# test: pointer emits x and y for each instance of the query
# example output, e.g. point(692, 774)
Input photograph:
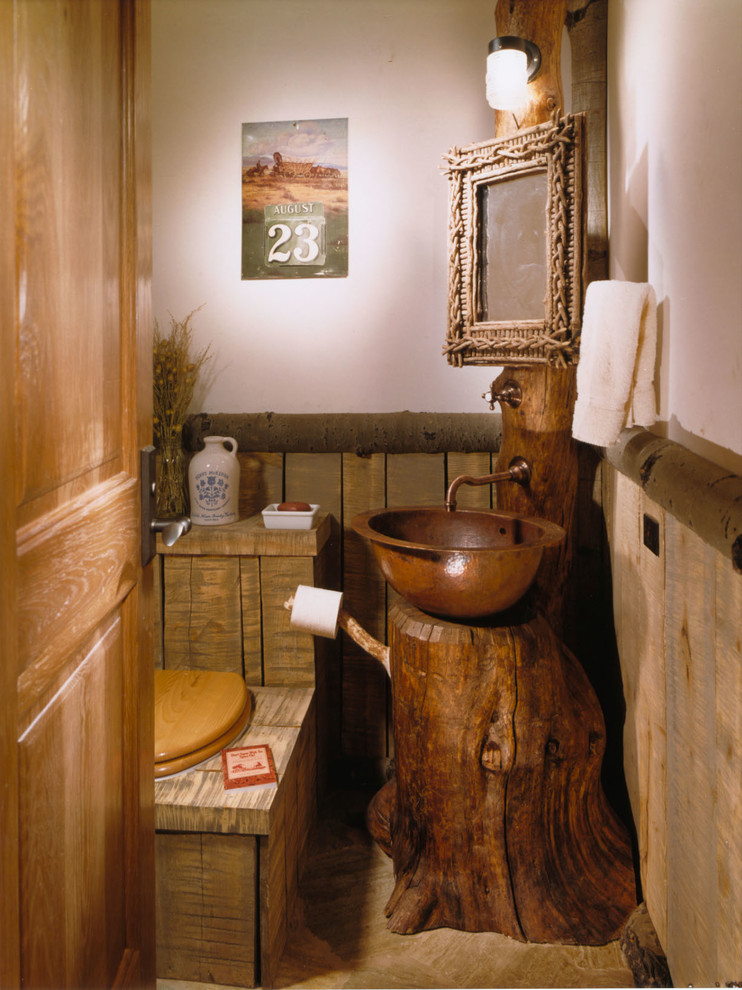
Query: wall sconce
point(511, 64)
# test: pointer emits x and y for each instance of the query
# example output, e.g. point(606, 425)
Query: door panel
point(73, 566)
point(76, 865)
point(69, 129)
point(72, 851)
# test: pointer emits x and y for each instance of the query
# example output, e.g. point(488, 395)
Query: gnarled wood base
point(499, 821)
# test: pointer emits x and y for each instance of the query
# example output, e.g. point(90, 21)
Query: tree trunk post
point(497, 821)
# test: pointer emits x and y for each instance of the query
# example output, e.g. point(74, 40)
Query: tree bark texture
point(499, 822)
point(541, 23)
point(360, 433)
point(540, 429)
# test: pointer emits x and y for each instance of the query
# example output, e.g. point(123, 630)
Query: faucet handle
point(509, 395)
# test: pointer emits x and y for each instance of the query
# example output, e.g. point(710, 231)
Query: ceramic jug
point(214, 482)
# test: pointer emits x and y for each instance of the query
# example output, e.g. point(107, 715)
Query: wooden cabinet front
point(223, 592)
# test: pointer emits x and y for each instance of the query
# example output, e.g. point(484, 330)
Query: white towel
point(615, 374)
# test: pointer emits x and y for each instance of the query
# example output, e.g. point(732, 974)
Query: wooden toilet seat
point(197, 713)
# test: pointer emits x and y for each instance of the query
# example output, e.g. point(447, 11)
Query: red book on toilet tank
point(249, 766)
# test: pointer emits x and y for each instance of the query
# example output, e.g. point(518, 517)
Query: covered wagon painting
point(295, 199)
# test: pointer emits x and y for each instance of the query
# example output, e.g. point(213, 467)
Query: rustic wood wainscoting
point(674, 528)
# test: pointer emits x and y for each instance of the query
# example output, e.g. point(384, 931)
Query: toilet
point(197, 713)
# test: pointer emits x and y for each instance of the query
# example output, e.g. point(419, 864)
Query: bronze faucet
point(509, 394)
point(519, 471)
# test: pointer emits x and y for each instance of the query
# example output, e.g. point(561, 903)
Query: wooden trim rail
point(360, 433)
point(698, 493)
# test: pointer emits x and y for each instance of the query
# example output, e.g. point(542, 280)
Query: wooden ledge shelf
point(250, 538)
point(228, 862)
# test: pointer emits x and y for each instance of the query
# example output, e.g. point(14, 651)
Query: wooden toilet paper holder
point(346, 622)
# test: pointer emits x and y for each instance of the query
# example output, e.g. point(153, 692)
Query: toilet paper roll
point(316, 610)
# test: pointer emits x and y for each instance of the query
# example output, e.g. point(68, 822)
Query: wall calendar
point(295, 199)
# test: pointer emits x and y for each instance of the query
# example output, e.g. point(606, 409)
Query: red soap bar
point(294, 507)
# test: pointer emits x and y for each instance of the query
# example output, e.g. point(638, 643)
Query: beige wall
point(675, 203)
point(409, 76)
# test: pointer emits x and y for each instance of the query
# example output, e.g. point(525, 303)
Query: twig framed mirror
point(516, 236)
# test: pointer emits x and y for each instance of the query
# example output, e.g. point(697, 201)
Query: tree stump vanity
point(496, 820)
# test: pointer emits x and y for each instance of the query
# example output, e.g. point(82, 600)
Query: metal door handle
point(171, 529)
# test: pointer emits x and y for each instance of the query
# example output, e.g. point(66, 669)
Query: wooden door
point(76, 794)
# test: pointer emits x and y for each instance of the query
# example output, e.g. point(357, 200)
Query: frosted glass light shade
point(512, 63)
point(507, 78)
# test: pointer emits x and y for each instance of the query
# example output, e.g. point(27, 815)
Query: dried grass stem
point(175, 372)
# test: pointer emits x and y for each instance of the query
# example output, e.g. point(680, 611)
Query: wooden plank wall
point(677, 621)
point(223, 612)
point(216, 879)
point(346, 484)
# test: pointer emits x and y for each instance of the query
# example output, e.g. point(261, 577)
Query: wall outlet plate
point(652, 534)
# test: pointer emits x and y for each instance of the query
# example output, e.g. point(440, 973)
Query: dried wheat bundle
point(175, 371)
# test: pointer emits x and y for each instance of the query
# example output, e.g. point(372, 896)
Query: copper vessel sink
point(465, 564)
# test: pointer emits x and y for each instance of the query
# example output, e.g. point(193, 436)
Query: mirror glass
point(513, 267)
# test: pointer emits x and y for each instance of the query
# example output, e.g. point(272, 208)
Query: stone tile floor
point(340, 938)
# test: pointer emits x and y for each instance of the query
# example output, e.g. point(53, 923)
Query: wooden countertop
point(198, 802)
point(249, 538)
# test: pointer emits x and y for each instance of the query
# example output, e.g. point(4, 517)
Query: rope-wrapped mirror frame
point(558, 148)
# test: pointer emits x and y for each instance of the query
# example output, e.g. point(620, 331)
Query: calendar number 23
point(302, 241)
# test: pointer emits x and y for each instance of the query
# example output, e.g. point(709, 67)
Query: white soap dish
point(288, 518)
